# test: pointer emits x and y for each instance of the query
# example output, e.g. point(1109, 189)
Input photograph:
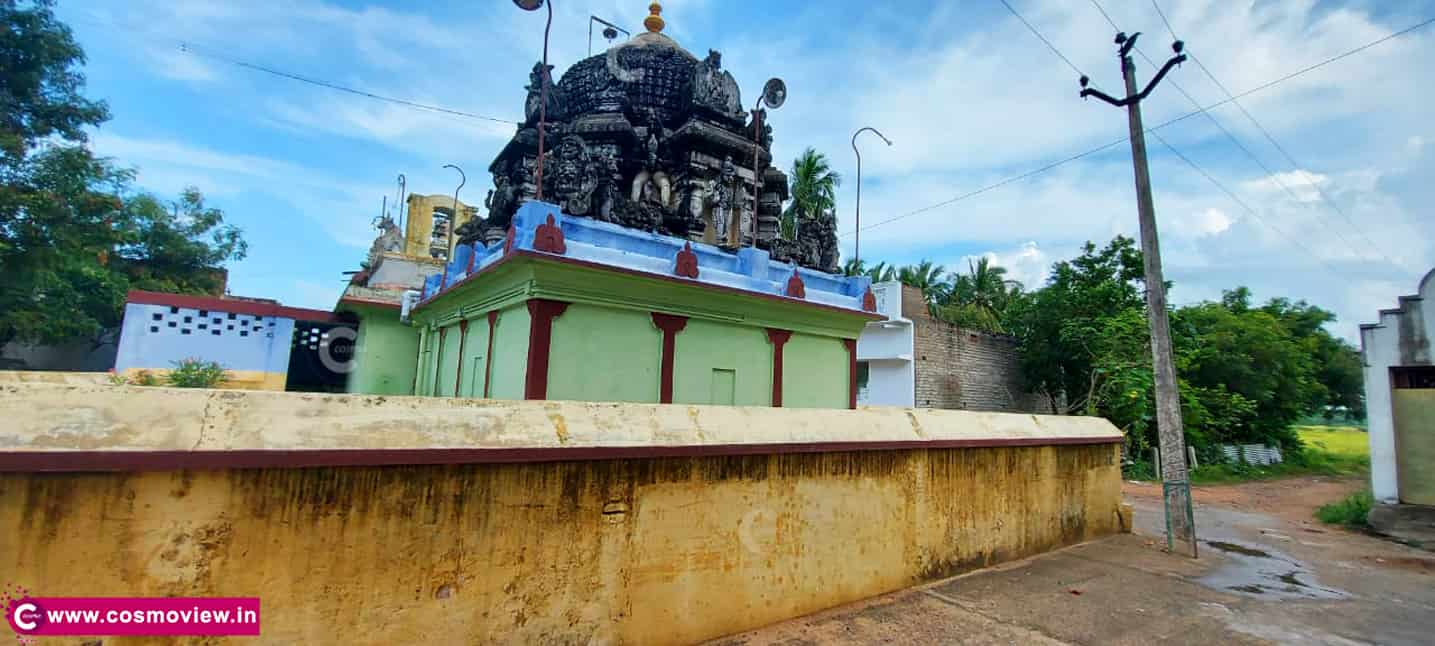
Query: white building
point(885, 372)
point(1400, 399)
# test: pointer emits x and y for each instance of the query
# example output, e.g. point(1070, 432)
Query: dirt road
point(1268, 573)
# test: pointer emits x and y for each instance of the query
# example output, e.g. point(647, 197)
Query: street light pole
point(533, 5)
point(857, 245)
point(453, 219)
point(756, 172)
point(1176, 486)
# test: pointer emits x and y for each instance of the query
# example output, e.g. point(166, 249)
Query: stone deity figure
point(609, 191)
point(572, 183)
point(653, 173)
point(390, 239)
point(500, 199)
point(524, 188)
point(724, 201)
point(536, 80)
point(715, 88)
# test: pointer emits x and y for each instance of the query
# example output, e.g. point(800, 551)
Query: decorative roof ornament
point(654, 21)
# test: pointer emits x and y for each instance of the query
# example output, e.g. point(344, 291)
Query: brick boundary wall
point(959, 368)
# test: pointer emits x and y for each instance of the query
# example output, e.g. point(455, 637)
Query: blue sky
point(966, 93)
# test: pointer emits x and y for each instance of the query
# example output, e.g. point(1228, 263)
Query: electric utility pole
point(1175, 486)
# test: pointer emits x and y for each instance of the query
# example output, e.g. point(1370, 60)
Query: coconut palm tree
point(983, 292)
point(882, 272)
point(928, 277)
point(813, 188)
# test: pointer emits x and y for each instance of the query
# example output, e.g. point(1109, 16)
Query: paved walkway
point(1264, 576)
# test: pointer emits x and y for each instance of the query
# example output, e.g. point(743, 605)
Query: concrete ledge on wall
point(71, 427)
point(53, 377)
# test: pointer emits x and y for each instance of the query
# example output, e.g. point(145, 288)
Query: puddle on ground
point(1237, 549)
point(1261, 572)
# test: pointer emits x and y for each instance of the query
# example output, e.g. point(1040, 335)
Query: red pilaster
point(671, 325)
point(488, 358)
point(851, 372)
point(462, 336)
point(777, 338)
point(540, 337)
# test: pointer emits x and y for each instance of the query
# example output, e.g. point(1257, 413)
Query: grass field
point(1329, 450)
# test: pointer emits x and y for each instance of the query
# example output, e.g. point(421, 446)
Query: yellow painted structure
point(237, 379)
point(419, 230)
point(640, 550)
point(1414, 416)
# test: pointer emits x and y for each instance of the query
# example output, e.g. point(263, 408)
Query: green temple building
point(653, 269)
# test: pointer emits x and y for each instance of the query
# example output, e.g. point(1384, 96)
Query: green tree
point(1056, 325)
point(813, 189)
point(1340, 382)
point(40, 82)
point(882, 272)
point(74, 236)
point(1249, 353)
point(979, 298)
point(928, 277)
point(177, 247)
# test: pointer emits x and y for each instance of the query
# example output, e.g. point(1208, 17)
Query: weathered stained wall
point(453, 520)
point(965, 369)
point(650, 551)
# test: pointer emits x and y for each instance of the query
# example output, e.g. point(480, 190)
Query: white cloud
point(168, 166)
point(966, 105)
point(1027, 263)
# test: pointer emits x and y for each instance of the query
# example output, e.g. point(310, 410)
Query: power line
point(1233, 139)
point(1161, 13)
point(997, 185)
point(1242, 203)
point(1260, 88)
point(191, 49)
point(1219, 126)
point(205, 52)
point(1036, 33)
point(1270, 138)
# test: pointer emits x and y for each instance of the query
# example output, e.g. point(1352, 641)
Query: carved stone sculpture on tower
point(715, 89)
point(647, 136)
point(536, 79)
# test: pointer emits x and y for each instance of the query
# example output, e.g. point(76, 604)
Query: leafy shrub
point(194, 373)
point(1137, 470)
point(1350, 512)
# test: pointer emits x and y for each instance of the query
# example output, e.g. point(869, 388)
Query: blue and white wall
point(254, 347)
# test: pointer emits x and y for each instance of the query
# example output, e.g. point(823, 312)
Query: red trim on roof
point(72, 461)
point(216, 304)
point(523, 253)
